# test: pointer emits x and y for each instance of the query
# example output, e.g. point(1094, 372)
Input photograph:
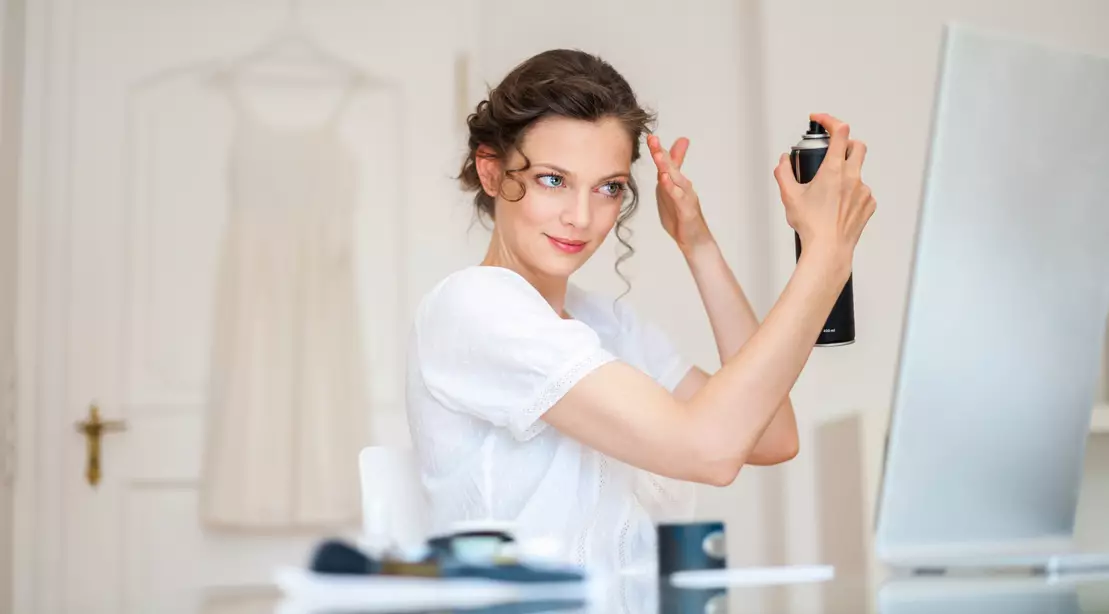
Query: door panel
point(146, 201)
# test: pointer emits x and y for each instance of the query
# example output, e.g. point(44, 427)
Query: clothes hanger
point(289, 45)
point(293, 46)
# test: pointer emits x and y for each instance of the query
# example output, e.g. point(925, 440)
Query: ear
point(488, 169)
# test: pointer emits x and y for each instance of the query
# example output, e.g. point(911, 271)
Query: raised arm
point(733, 323)
point(731, 317)
point(711, 435)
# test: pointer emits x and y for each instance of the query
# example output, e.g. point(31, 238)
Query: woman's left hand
point(679, 208)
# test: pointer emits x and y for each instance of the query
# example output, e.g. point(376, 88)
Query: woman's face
point(573, 192)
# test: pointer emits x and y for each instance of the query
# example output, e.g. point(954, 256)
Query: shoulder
point(488, 345)
point(480, 292)
point(476, 282)
point(486, 307)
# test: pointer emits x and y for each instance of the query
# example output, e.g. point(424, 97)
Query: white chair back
point(394, 508)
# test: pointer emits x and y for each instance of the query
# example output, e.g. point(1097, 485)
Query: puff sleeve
point(490, 346)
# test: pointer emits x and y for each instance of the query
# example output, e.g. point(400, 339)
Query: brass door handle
point(93, 428)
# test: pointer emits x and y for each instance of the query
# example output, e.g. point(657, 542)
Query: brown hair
point(563, 83)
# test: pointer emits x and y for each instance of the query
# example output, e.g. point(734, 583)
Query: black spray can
point(805, 158)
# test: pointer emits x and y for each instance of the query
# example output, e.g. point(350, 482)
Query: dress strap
point(245, 111)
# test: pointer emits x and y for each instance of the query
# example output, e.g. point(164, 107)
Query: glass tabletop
point(842, 594)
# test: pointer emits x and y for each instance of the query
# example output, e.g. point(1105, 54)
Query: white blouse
point(487, 357)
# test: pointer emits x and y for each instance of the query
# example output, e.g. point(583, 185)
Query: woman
point(534, 402)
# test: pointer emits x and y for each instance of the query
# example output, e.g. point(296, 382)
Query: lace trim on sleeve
point(526, 424)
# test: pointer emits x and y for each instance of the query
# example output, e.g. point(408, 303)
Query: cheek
point(607, 212)
point(535, 211)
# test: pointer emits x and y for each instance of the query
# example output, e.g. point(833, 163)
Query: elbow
point(788, 446)
point(721, 475)
point(708, 458)
point(789, 449)
point(722, 470)
point(718, 470)
point(715, 458)
point(784, 449)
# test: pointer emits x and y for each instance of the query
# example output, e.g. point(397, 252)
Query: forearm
point(760, 374)
point(733, 321)
point(731, 317)
point(708, 436)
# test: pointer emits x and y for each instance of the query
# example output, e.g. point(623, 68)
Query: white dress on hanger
point(287, 415)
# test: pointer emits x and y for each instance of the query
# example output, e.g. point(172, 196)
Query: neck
point(551, 288)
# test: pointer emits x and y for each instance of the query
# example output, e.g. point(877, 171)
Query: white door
point(132, 155)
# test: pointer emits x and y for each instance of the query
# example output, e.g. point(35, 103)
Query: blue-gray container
point(691, 546)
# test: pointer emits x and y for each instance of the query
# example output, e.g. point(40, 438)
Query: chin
point(560, 265)
point(565, 268)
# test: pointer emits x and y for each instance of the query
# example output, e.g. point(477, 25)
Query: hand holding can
point(828, 205)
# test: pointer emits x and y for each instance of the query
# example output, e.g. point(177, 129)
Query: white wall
point(874, 64)
point(11, 39)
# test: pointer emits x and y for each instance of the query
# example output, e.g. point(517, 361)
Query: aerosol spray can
point(805, 158)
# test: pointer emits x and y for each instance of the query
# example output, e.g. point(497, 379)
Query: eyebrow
point(566, 172)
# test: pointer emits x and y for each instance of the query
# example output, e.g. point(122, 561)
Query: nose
point(577, 213)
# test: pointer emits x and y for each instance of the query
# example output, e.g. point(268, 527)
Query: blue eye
point(613, 189)
point(551, 181)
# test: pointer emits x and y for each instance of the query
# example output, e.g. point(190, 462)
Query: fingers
point(864, 213)
point(856, 154)
point(865, 203)
point(664, 161)
point(659, 155)
point(783, 173)
point(677, 151)
point(670, 187)
point(840, 133)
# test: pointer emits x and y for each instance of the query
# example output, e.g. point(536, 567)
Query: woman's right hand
point(830, 212)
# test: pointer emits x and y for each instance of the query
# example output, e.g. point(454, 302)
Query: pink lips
point(566, 245)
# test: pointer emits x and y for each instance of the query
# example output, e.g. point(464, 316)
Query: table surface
point(845, 593)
